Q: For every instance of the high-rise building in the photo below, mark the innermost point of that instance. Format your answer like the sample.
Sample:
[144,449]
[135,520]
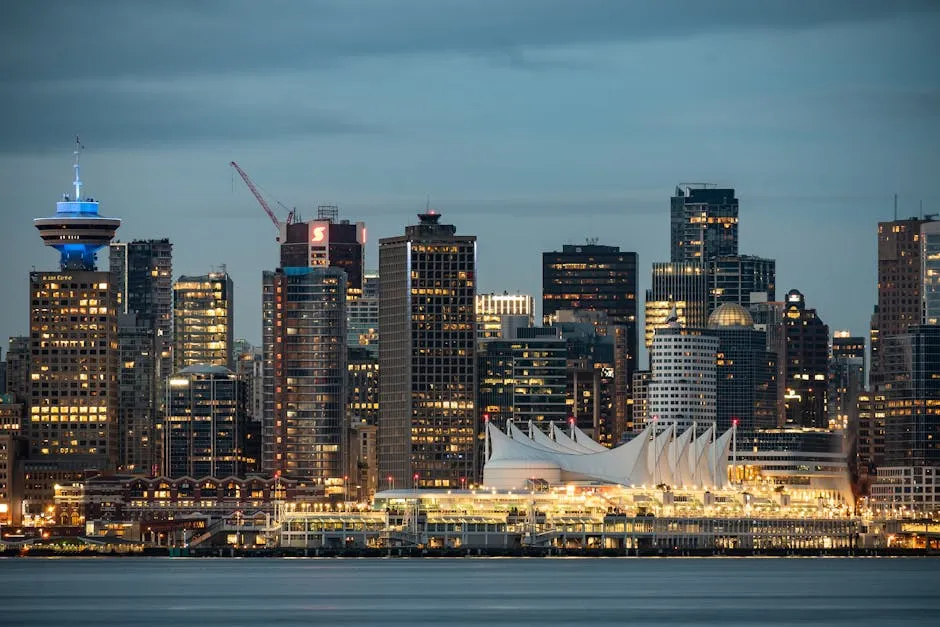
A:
[363,330]
[683,382]
[363,473]
[906,281]
[142,271]
[807,368]
[769,317]
[592,387]
[911,388]
[703,223]
[846,382]
[205,422]
[17,361]
[304,434]
[73,342]
[870,447]
[203,321]
[732,279]
[362,386]
[746,371]
[428,423]
[496,311]
[523,377]
[930,271]
[641,398]
[679,286]
[326,242]
[597,278]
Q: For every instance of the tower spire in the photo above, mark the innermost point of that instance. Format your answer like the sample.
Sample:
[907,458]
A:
[78,179]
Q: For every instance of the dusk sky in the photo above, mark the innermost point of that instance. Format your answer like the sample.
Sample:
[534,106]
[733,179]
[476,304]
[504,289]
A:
[529,123]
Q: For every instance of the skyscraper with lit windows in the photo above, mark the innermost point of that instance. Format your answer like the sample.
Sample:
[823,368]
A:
[703,223]
[428,423]
[73,343]
[203,321]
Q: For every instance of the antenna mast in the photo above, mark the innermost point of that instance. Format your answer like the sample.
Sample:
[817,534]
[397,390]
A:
[78,179]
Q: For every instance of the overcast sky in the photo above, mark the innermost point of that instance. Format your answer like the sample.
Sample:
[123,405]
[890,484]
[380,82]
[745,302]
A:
[529,123]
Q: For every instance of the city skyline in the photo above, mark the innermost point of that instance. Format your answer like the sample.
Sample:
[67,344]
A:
[568,119]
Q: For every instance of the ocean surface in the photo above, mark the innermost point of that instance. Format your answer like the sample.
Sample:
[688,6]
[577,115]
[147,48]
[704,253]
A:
[514,591]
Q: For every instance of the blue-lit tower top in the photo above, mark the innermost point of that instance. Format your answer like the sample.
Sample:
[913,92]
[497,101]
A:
[76,230]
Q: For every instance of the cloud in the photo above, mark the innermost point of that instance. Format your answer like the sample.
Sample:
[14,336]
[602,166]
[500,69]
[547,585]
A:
[127,113]
[98,38]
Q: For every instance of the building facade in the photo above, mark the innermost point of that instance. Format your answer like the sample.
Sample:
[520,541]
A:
[142,271]
[682,286]
[305,347]
[326,242]
[746,371]
[683,380]
[205,423]
[703,223]
[203,321]
[497,311]
[732,279]
[428,421]
[363,329]
[807,367]
[523,378]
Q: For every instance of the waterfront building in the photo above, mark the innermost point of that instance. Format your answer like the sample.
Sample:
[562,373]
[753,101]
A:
[305,374]
[495,312]
[846,384]
[203,320]
[703,223]
[746,371]
[428,421]
[205,423]
[683,383]
[363,474]
[682,286]
[807,368]
[870,447]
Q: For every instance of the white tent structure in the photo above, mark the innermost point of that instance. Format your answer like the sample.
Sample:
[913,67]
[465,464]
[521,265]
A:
[657,455]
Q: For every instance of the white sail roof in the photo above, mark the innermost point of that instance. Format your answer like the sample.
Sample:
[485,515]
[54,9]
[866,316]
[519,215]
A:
[587,441]
[644,460]
[562,438]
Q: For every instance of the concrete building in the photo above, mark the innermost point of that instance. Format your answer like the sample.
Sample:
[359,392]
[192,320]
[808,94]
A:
[498,311]
[203,320]
[305,374]
[205,423]
[641,398]
[703,223]
[428,422]
[807,368]
[362,479]
[746,371]
[683,383]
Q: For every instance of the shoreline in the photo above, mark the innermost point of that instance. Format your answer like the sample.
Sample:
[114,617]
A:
[412,553]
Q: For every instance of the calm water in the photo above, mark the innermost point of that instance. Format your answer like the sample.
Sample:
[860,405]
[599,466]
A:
[230,592]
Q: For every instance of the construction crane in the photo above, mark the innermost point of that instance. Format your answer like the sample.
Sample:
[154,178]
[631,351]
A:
[292,213]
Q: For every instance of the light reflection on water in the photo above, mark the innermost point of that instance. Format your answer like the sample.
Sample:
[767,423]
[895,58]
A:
[564,591]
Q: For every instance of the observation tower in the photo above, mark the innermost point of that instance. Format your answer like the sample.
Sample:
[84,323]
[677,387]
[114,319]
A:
[76,230]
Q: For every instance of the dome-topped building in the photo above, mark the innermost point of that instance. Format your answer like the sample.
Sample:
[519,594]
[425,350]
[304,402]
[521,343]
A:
[730,315]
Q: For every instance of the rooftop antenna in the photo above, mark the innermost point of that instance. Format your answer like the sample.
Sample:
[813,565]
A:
[427,203]
[895,207]
[78,180]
